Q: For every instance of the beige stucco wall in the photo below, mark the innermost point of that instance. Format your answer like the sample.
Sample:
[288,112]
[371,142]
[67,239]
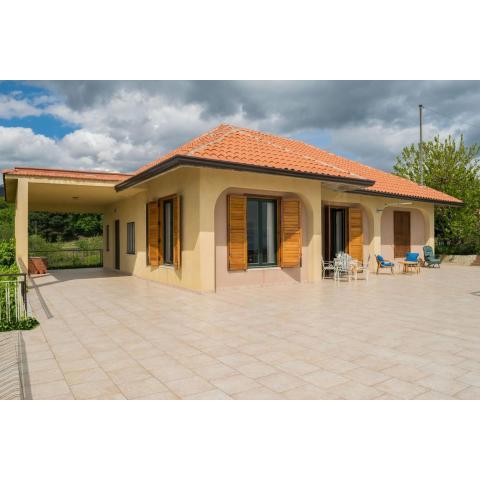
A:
[203,190]
[378,221]
[184,182]
[418,231]
[204,252]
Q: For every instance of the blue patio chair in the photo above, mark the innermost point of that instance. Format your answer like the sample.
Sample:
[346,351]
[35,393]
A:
[430,259]
[382,263]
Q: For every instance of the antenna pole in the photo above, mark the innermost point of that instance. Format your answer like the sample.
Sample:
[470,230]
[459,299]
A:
[420,163]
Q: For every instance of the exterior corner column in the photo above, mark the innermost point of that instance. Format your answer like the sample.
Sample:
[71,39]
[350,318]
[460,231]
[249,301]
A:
[21,222]
[375,246]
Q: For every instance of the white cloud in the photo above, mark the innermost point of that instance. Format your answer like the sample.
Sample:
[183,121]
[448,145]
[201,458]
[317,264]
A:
[123,125]
[11,106]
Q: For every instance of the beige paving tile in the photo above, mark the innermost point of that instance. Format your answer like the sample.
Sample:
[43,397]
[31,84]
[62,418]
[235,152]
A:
[400,388]
[281,382]
[189,386]
[50,390]
[140,388]
[309,392]
[159,396]
[128,374]
[297,367]
[375,362]
[448,386]
[112,396]
[94,390]
[209,395]
[235,384]
[75,365]
[236,359]
[433,395]
[216,371]
[45,376]
[470,393]
[196,361]
[170,373]
[258,393]
[256,369]
[336,365]
[405,372]
[324,379]
[366,376]
[84,376]
[355,391]
[40,365]
[471,378]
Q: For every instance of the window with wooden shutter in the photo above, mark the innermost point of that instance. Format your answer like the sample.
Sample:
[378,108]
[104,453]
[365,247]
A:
[290,233]
[355,233]
[177,227]
[153,233]
[237,232]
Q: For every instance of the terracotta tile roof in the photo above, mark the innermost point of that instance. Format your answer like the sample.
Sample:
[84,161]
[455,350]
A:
[248,147]
[73,174]
[227,143]
[242,146]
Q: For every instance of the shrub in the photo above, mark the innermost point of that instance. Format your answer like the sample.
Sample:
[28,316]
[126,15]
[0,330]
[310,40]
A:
[90,243]
[7,253]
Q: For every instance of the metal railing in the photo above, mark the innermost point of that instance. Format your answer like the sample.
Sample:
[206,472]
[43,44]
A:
[13,297]
[71,258]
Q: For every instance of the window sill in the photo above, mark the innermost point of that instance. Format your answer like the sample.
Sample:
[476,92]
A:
[266,267]
[130,253]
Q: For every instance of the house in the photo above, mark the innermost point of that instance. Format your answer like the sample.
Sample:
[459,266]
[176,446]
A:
[236,207]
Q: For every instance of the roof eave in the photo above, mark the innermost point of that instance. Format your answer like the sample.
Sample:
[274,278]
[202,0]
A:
[410,197]
[181,160]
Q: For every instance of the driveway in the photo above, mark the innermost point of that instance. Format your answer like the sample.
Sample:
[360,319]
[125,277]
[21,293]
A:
[110,336]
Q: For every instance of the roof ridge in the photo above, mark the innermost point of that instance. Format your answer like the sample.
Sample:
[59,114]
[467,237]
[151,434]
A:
[216,140]
[287,150]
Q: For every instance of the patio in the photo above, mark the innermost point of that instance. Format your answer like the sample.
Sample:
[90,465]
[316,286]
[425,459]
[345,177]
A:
[109,336]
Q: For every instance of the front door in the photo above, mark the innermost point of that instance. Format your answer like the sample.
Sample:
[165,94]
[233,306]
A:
[401,234]
[335,231]
[117,244]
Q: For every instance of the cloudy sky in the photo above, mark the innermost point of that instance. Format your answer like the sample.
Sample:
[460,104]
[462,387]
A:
[119,126]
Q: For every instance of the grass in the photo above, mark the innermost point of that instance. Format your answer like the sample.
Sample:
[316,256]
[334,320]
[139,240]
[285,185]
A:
[59,256]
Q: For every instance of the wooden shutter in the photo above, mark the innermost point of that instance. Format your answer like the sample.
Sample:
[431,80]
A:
[177,223]
[237,232]
[290,233]
[153,233]
[355,233]
[401,234]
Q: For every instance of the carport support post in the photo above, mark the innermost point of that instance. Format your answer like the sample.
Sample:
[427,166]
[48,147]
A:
[21,222]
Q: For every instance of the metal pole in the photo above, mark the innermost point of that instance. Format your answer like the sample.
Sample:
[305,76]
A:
[420,161]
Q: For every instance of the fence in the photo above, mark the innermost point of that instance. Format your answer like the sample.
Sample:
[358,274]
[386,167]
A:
[13,298]
[71,258]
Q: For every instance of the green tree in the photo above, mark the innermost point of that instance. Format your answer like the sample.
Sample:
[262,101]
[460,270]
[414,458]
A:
[454,168]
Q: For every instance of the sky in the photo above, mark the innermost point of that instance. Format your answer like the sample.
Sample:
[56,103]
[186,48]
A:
[121,125]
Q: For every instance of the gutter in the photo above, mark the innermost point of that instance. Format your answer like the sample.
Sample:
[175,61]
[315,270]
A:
[179,160]
[408,197]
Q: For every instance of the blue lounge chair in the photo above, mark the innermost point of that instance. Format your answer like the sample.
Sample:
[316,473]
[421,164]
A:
[382,263]
[413,262]
[430,259]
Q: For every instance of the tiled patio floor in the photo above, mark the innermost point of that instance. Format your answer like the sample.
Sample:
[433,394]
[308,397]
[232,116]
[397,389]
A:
[113,336]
